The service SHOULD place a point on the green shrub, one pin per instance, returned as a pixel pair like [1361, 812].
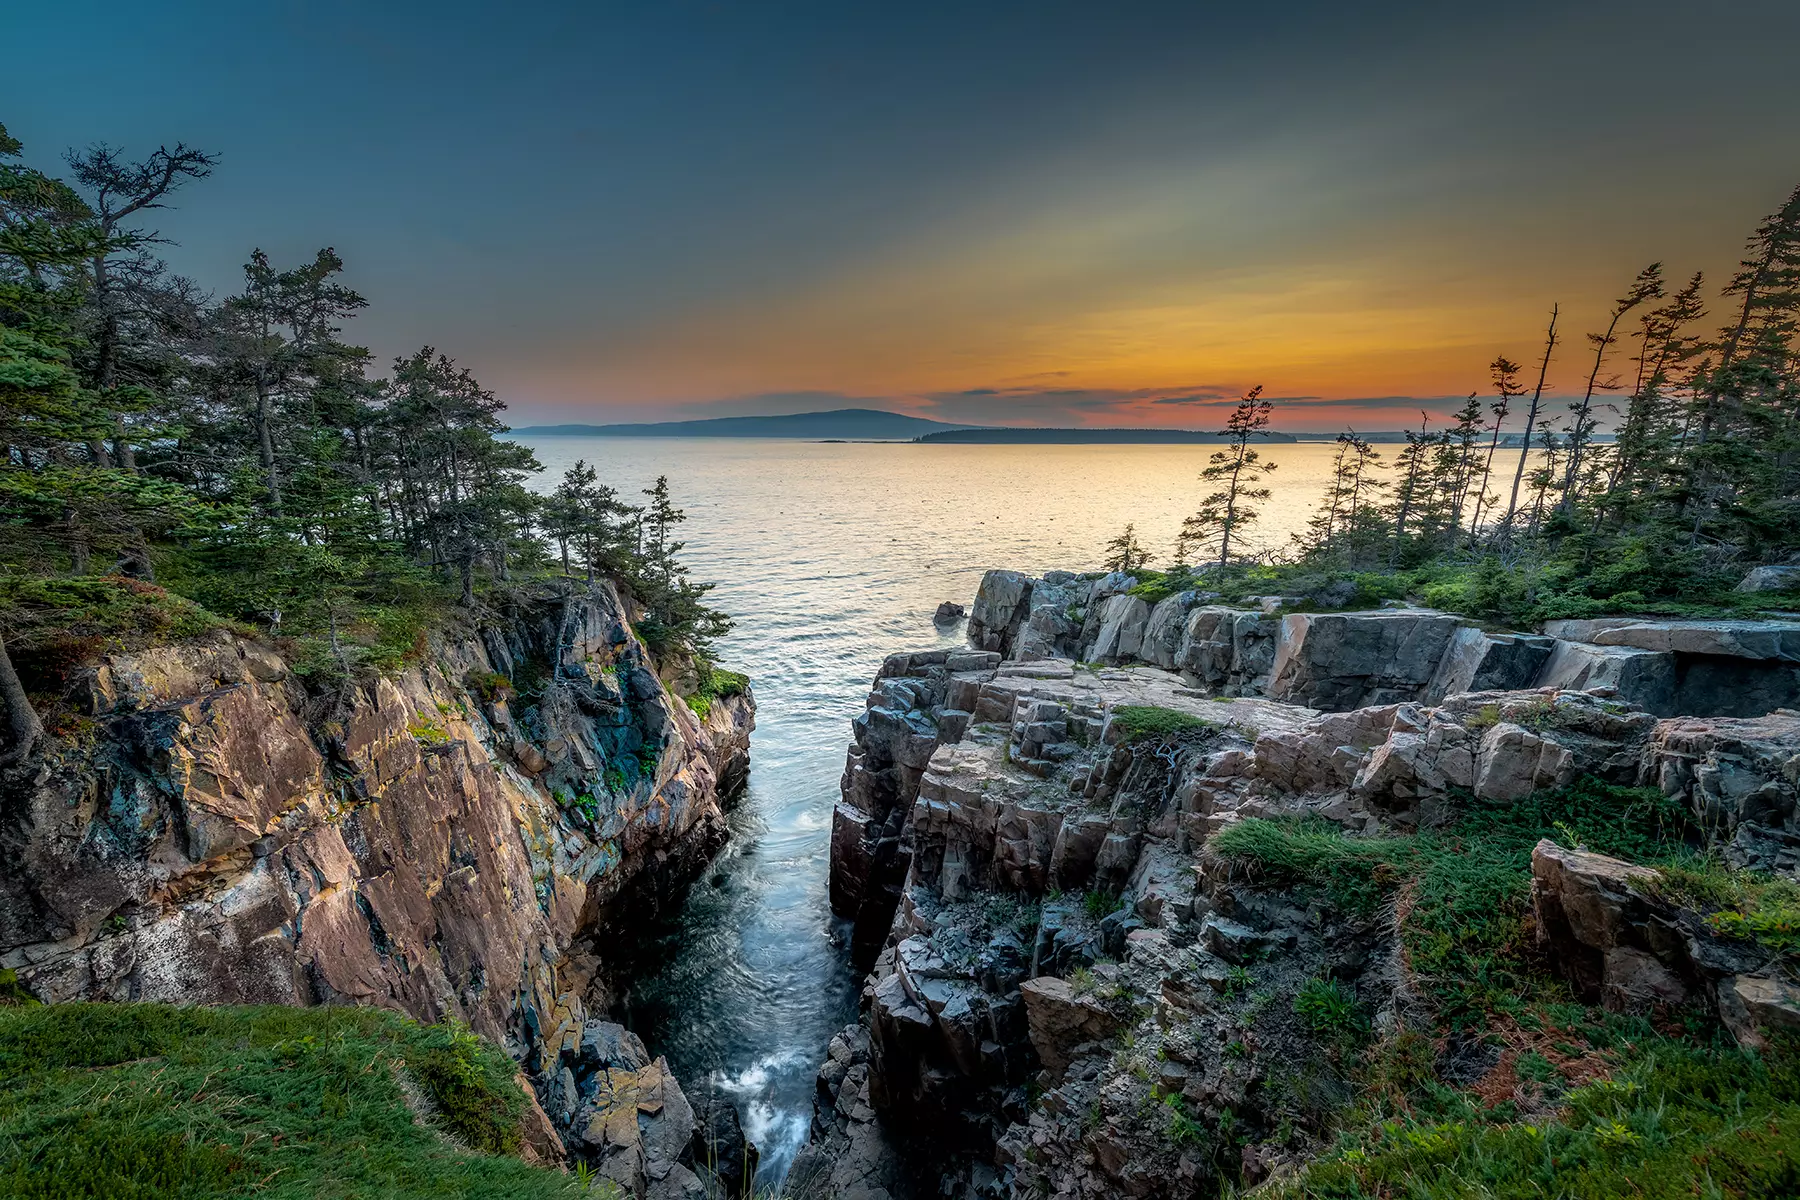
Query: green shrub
[1326, 1006]
[716, 683]
[1742, 904]
[1139, 722]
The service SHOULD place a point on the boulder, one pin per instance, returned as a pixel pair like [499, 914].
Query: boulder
[1001, 605]
[1123, 619]
[1777, 641]
[948, 613]
[1227, 650]
[1772, 579]
[1479, 661]
[1164, 631]
[1602, 930]
[1341, 661]
[1740, 777]
[1052, 627]
[1644, 678]
[1062, 1022]
[1714, 668]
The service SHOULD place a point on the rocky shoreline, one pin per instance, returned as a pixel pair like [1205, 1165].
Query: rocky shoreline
[468, 839]
[1029, 849]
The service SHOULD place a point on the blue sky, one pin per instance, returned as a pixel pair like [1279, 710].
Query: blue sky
[998, 212]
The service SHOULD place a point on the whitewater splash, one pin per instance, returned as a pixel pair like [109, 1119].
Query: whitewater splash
[777, 1132]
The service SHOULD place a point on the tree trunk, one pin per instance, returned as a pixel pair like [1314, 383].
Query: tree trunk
[21, 717]
[1512, 506]
[266, 443]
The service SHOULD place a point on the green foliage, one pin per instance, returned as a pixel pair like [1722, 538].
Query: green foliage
[1742, 904]
[142, 1101]
[428, 731]
[1327, 1007]
[1468, 886]
[716, 683]
[1141, 722]
[489, 685]
[1183, 1130]
[51, 624]
[1153, 587]
[1676, 1121]
[1098, 904]
[470, 1083]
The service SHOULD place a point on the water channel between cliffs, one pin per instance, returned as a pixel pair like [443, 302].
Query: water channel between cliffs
[830, 556]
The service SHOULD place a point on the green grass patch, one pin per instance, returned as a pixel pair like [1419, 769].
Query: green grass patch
[1467, 888]
[716, 683]
[141, 1101]
[1139, 722]
[1675, 1120]
[1327, 1007]
[1153, 587]
[1741, 904]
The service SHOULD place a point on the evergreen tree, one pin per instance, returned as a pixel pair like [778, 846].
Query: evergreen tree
[1531, 423]
[1126, 552]
[1236, 472]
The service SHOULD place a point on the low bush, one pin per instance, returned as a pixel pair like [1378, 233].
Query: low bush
[1141, 722]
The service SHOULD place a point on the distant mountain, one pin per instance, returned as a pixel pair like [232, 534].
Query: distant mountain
[845, 423]
[1083, 437]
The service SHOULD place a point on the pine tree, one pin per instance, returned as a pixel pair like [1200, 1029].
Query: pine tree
[1236, 470]
[1505, 375]
[1125, 552]
[1646, 287]
[1531, 423]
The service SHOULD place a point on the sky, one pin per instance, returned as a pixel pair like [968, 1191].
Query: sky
[1102, 213]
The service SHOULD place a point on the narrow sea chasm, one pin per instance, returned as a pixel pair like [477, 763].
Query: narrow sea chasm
[830, 556]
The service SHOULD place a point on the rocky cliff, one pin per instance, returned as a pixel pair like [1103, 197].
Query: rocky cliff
[462, 840]
[1152, 893]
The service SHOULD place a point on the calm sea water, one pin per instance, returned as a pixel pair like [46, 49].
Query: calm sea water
[831, 556]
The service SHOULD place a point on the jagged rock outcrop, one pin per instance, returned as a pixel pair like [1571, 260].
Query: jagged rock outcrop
[449, 842]
[1625, 946]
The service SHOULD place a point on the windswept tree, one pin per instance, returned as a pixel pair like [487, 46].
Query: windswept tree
[1126, 552]
[1236, 472]
[1504, 373]
[1531, 422]
[131, 299]
[1646, 287]
[275, 341]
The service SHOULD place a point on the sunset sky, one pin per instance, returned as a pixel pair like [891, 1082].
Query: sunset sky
[1035, 213]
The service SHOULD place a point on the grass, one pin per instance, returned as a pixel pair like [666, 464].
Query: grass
[1144, 722]
[1674, 1120]
[134, 1101]
[1741, 904]
[1327, 1007]
[1582, 1104]
[1467, 888]
[716, 683]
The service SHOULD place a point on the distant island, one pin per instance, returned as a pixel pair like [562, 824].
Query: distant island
[1084, 437]
[840, 424]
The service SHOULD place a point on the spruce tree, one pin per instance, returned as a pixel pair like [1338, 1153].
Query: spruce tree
[1236, 472]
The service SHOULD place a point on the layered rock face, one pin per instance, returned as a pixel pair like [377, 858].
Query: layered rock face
[1338, 661]
[1022, 845]
[451, 842]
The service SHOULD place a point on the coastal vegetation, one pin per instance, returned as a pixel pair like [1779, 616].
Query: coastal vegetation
[1584, 1102]
[1699, 481]
[172, 461]
[152, 1100]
